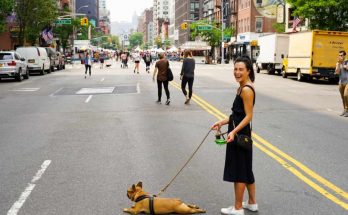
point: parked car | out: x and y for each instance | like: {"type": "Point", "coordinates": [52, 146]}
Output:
{"type": "Point", "coordinates": [53, 56]}
{"type": "Point", "coordinates": [61, 59]}
{"type": "Point", "coordinates": [12, 65]}
{"type": "Point", "coordinates": [36, 58]}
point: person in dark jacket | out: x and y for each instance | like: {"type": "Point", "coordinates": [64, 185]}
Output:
{"type": "Point", "coordinates": [187, 74]}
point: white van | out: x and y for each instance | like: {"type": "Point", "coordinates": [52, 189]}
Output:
{"type": "Point", "coordinates": [36, 58]}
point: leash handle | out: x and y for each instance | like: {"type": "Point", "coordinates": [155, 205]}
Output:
{"type": "Point", "coordinates": [193, 154]}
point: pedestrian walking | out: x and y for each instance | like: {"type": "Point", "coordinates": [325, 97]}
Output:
{"type": "Point", "coordinates": [187, 75]}
{"type": "Point", "coordinates": [124, 59]}
{"type": "Point", "coordinates": [161, 68]}
{"type": "Point", "coordinates": [136, 57]}
{"type": "Point", "coordinates": [88, 64]}
{"type": "Point", "coordinates": [102, 59]}
{"type": "Point", "coordinates": [238, 161]}
{"type": "Point", "coordinates": [147, 59]}
{"type": "Point", "coordinates": [342, 70]}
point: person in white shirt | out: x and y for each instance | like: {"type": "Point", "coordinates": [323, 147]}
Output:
{"type": "Point", "coordinates": [136, 57]}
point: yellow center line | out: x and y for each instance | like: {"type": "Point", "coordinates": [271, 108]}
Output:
{"type": "Point", "coordinates": [219, 115]}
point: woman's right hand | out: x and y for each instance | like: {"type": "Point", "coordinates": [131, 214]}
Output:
{"type": "Point", "coordinates": [216, 126]}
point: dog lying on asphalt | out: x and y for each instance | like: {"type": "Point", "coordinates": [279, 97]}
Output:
{"type": "Point", "coordinates": [144, 203]}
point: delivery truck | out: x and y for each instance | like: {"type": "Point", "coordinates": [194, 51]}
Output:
{"type": "Point", "coordinates": [313, 54]}
{"type": "Point", "coordinates": [273, 48]}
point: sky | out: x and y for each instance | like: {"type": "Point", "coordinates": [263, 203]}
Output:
{"type": "Point", "coordinates": [123, 10]}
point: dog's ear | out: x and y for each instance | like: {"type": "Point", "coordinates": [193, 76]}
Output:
{"type": "Point", "coordinates": [140, 184]}
{"type": "Point", "coordinates": [133, 187]}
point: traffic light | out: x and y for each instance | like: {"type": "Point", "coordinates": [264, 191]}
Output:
{"type": "Point", "coordinates": [84, 21]}
{"type": "Point", "coordinates": [183, 26]}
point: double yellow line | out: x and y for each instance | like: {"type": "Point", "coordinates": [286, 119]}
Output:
{"type": "Point", "coordinates": [318, 183]}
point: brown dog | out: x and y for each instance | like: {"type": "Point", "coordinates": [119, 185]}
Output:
{"type": "Point", "coordinates": [144, 203]}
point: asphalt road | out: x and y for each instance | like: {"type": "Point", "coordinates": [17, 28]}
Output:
{"type": "Point", "coordinates": [70, 145]}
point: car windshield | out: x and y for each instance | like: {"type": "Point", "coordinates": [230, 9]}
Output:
{"type": "Point", "coordinates": [6, 56]}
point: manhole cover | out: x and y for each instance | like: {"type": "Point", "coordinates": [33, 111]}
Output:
{"type": "Point", "coordinates": [101, 90]}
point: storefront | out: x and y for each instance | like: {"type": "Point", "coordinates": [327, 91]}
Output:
{"type": "Point", "coordinates": [245, 45]}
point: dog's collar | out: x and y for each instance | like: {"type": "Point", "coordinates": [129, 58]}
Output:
{"type": "Point", "coordinates": [141, 198]}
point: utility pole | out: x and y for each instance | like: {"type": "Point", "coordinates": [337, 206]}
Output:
{"type": "Point", "coordinates": [222, 32]}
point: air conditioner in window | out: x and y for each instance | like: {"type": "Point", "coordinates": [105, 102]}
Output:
{"type": "Point", "coordinates": [258, 30]}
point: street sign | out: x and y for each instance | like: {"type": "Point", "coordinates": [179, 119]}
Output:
{"type": "Point", "coordinates": [204, 27]}
{"type": "Point", "coordinates": [63, 22]}
{"type": "Point", "coordinates": [93, 22]}
{"type": "Point", "coordinates": [227, 37]}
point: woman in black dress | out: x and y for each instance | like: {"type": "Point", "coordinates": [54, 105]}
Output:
{"type": "Point", "coordinates": [238, 162]}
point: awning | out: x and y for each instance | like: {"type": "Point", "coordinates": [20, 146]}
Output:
{"type": "Point", "coordinates": [195, 45]}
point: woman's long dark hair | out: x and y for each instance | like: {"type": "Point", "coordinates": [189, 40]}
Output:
{"type": "Point", "coordinates": [248, 64]}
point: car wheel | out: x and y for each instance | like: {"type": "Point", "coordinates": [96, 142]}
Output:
{"type": "Point", "coordinates": [19, 76]}
{"type": "Point", "coordinates": [26, 76]}
{"type": "Point", "coordinates": [300, 76]}
{"type": "Point", "coordinates": [284, 75]}
{"type": "Point", "coordinates": [42, 72]}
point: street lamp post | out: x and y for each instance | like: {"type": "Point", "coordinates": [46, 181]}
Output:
{"type": "Point", "coordinates": [222, 33]}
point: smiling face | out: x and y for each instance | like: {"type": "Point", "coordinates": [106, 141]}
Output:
{"type": "Point", "coordinates": [241, 73]}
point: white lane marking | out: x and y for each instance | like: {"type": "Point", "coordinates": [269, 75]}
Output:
{"type": "Point", "coordinates": [24, 196]}
{"type": "Point", "coordinates": [26, 90]}
{"type": "Point", "coordinates": [56, 92]}
{"type": "Point", "coordinates": [328, 109]}
{"type": "Point", "coordinates": [102, 79]}
{"type": "Point", "coordinates": [138, 88]}
{"type": "Point", "coordinates": [89, 98]}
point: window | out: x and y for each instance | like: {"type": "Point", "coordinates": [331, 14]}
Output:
{"type": "Point", "coordinates": [258, 24]}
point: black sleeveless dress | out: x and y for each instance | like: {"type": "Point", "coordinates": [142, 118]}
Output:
{"type": "Point", "coordinates": [238, 162]}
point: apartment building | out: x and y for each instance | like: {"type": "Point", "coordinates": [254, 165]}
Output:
{"type": "Point", "coordinates": [187, 11]}
{"type": "Point", "coordinates": [104, 17]}
{"type": "Point", "coordinates": [143, 24]}
{"type": "Point", "coordinates": [160, 17]}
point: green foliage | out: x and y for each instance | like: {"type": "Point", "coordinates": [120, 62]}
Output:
{"type": "Point", "coordinates": [136, 39]}
{"type": "Point", "coordinates": [33, 16]}
{"type": "Point", "coordinates": [212, 37]}
{"type": "Point", "coordinates": [64, 32]}
{"type": "Point", "coordinates": [6, 7]}
{"type": "Point", "coordinates": [158, 42]}
{"type": "Point", "coordinates": [279, 27]}
{"type": "Point", "coordinates": [323, 14]}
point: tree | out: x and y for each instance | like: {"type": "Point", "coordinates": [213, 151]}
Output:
{"type": "Point", "coordinates": [64, 32]}
{"type": "Point", "coordinates": [6, 7]}
{"type": "Point", "coordinates": [279, 27]}
{"type": "Point", "coordinates": [213, 36]}
{"type": "Point", "coordinates": [34, 15]}
{"type": "Point", "coordinates": [323, 14]}
{"type": "Point", "coordinates": [136, 39]}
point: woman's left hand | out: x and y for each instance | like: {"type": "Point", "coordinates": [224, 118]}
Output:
{"type": "Point", "coordinates": [230, 137]}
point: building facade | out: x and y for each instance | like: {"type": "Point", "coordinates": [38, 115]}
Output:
{"type": "Point", "coordinates": [160, 16]}
{"type": "Point", "coordinates": [104, 18]}
{"type": "Point", "coordinates": [187, 11]}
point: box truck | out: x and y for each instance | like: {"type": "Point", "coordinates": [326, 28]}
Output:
{"type": "Point", "coordinates": [313, 54]}
{"type": "Point", "coordinates": [273, 48]}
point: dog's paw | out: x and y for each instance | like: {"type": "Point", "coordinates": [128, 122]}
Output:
{"type": "Point", "coordinates": [125, 210]}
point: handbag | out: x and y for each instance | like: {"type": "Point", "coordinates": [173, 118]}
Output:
{"type": "Point", "coordinates": [170, 75]}
{"type": "Point", "coordinates": [243, 141]}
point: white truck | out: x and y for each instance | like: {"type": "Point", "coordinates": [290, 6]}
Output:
{"type": "Point", "coordinates": [273, 48]}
